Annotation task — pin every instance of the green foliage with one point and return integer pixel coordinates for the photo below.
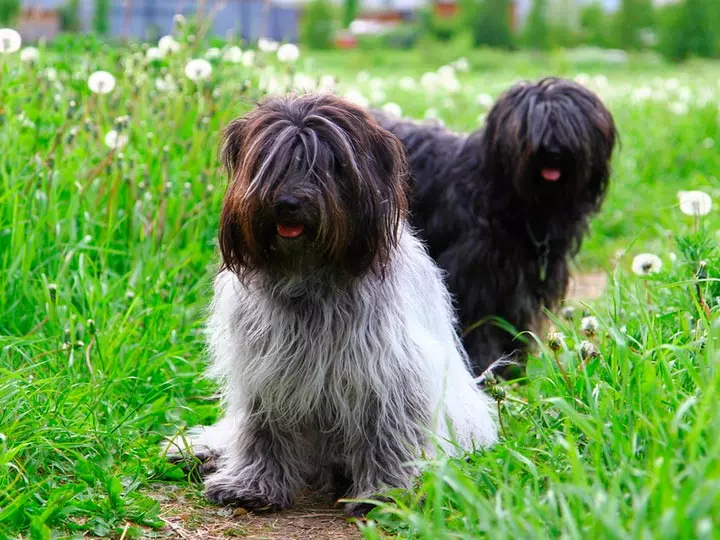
(690, 29)
(316, 30)
(403, 36)
(349, 12)
(70, 16)
(594, 24)
(537, 33)
(101, 17)
(488, 22)
(9, 10)
(440, 28)
(633, 17)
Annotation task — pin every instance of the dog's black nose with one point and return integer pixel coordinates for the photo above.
(287, 207)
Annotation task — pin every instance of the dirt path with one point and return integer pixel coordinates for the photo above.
(587, 286)
(189, 517)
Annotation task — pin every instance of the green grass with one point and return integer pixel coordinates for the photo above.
(105, 266)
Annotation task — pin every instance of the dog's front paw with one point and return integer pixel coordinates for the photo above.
(235, 491)
(202, 461)
(358, 510)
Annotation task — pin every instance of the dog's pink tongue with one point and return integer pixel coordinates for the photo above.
(551, 175)
(289, 231)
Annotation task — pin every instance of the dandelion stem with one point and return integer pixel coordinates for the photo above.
(88, 363)
(500, 420)
(562, 369)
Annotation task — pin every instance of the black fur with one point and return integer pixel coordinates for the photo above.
(503, 234)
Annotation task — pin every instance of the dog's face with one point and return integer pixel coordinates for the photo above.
(315, 185)
(554, 140)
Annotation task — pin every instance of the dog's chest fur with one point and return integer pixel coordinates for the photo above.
(326, 364)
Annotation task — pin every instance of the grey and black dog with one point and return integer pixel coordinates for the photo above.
(331, 332)
(504, 209)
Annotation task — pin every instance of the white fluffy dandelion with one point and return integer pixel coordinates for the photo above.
(165, 84)
(645, 264)
(29, 55)
(446, 72)
(354, 96)
(304, 82)
(694, 203)
(589, 325)
(288, 53)
(233, 54)
(10, 41)
(168, 44)
(115, 139)
(101, 82)
(154, 53)
(198, 69)
(429, 80)
(588, 350)
(213, 53)
(583, 79)
(679, 108)
(267, 45)
(248, 58)
(556, 340)
(450, 84)
(461, 64)
(327, 83)
(485, 100)
(407, 83)
(392, 109)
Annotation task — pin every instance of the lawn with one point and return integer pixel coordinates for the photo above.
(107, 248)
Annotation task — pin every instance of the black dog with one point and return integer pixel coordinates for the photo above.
(504, 209)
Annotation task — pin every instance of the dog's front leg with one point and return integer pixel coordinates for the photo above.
(384, 459)
(262, 470)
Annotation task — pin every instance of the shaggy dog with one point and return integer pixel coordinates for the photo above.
(504, 209)
(331, 331)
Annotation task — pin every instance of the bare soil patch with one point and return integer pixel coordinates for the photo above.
(587, 286)
(189, 517)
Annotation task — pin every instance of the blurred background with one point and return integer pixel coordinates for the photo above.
(674, 29)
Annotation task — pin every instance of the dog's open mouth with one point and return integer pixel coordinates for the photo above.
(290, 230)
(550, 174)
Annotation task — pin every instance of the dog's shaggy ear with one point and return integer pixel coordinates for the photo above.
(230, 237)
(380, 207)
(231, 145)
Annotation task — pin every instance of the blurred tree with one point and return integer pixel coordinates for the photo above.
(633, 17)
(350, 12)
(439, 26)
(101, 23)
(70, 16)
(691, 29)
(9, 10)
(594, 23)
(537, 33)
(489, 22)
(317, 25)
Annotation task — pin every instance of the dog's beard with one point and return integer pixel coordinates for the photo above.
(551, 178)
(291, 246)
